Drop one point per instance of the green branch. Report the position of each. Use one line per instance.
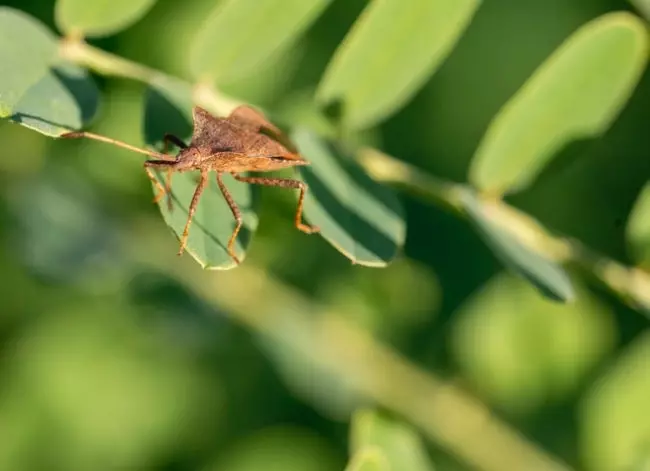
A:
(632, 285)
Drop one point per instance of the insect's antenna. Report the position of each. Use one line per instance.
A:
(108, 140)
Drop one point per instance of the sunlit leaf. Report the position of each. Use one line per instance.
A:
(398, 442)
(575, 94)
(546, 275)
(369, 459)
(99, 17)
(168, 110)
(638, 229)
(359, 217)
(27, 49)
(388, 55)
(241, 34)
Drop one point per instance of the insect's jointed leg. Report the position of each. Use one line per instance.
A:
(193, 205)
(148, 165)
(235, 212)
(284, 183)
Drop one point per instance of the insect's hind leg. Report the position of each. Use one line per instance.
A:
(284, 183)
(236, 214)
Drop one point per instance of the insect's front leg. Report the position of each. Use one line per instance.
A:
(149, 165)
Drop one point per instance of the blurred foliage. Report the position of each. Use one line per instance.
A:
(108, 366)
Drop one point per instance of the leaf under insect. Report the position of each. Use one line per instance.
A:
(168, 109)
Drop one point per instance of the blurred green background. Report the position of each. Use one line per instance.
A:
(107, 364)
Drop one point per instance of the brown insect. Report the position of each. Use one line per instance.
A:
(242, 142)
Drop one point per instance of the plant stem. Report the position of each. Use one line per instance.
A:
(81, 53)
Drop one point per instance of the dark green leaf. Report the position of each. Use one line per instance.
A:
(638, 229)
(575, 94)
(543, 273)
(99, 17)
(169, 110)
(398, 442)
(359, 217)
(393, 48)
(241, 34)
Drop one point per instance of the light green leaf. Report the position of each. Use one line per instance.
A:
(575, 94)
(361, 218)
(398, 442)
(393, 48)
(241, 34)
(27, 49)
(549, 277)
(169, 110)
(99, 17)
(638, 228)
(369, 459)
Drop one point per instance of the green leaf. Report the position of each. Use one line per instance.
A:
(361, 218)
(369, 459)
(638, 228)
(575, 94)
(63, 100)
(240, 34)
(36, 89)
(393, 48)
(27, 48)
(168, 109)
(398, 442)
(99, 17)
(549, 277)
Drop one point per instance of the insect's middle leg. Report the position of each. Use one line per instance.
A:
(284, 183)
(237, 215)
(193, 205)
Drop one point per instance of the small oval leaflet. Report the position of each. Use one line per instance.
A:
(574, 95)
(548, 277)
(98, 18)
(359, 217)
